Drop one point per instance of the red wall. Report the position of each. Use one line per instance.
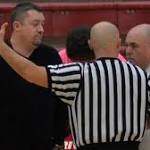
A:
(62, 17)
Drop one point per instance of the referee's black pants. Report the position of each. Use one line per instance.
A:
(111, 146)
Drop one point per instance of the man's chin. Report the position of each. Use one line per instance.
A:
(37, 43)
(131, 61)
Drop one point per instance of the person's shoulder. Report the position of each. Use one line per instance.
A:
(64, 56)
(47, 47)
(62, 52)
(48, 50)
(50, 53)
(137, 68)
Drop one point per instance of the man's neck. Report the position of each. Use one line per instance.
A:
(103, 53)
(21, 47)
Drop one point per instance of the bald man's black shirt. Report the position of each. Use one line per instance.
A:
(30, 116)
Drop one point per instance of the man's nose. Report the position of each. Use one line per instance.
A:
(129, 50)
(40, 28)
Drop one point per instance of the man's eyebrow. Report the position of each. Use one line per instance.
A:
(128, 43)
(133, 44)
(38, 20)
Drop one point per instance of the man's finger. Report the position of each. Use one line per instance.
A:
(3, 29)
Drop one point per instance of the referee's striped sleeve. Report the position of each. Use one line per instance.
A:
(64, 80)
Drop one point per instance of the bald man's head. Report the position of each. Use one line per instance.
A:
(141, 31)
(138, 45)
(104, 36)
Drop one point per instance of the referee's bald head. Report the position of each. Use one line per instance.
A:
(104, 36)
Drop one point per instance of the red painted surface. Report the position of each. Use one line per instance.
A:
(62, 17)
(131, 14)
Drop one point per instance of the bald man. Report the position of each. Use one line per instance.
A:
(104, 113)
(138, 52)
(105, 39)
(138, 46)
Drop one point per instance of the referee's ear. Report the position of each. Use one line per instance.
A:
(90, 45)
(118, 43)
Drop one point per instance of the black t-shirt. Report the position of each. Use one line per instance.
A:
(30, 116)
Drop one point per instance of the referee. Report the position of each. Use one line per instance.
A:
(106, 98)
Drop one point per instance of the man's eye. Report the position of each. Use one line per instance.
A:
(134, 46)
(35, 24)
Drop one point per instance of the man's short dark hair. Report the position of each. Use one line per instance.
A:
(20, 10)
(77, 44)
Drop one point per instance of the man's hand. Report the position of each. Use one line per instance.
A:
(58, 147)
(2, 37)
(3, 31)
(25, 68)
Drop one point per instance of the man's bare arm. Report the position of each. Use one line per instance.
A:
(25, 68)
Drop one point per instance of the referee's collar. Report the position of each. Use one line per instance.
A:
(110, 58)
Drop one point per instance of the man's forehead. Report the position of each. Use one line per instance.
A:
(35, 14)
(135, 38)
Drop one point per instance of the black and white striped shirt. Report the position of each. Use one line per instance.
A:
(106, 99)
